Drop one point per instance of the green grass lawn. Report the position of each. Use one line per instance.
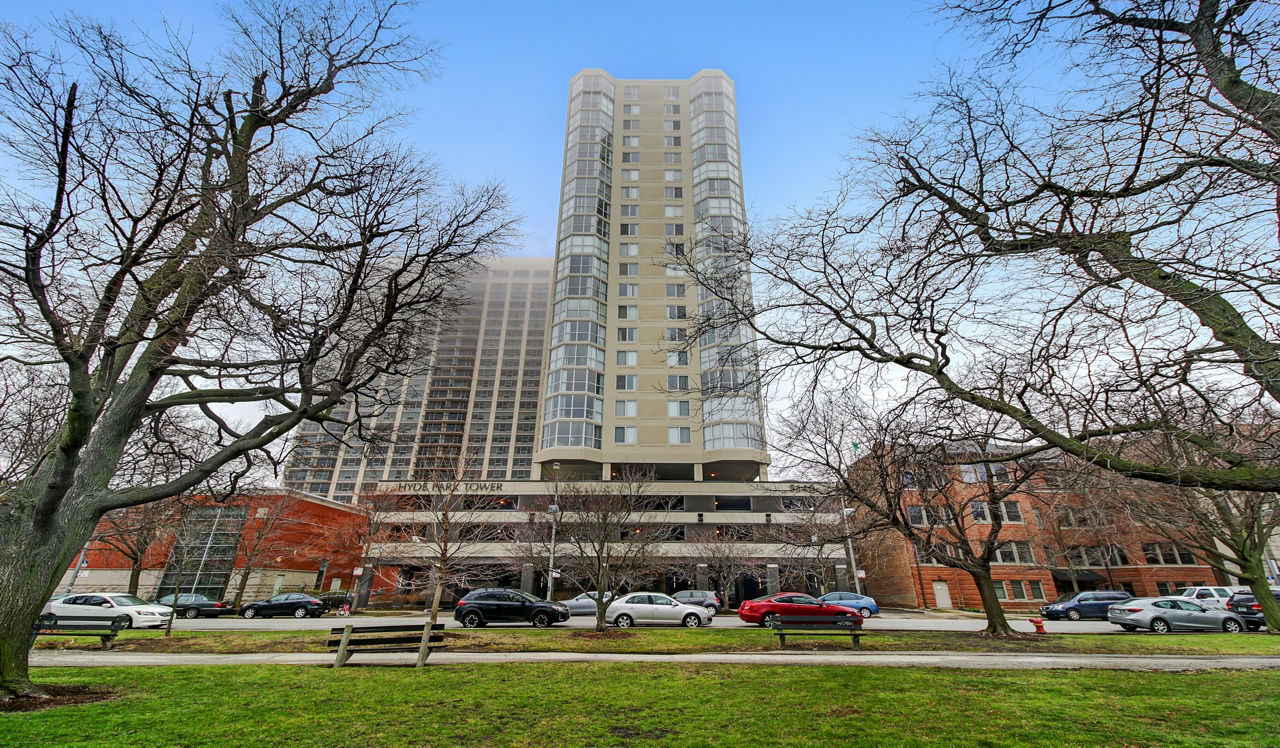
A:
(663, 704)
(690, 641)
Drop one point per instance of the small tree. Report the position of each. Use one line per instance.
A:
(264, 538)
(724, 558)
(606, 539)
(908, 478)
(140, 533)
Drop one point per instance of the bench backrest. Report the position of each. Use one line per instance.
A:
(819, 622)
(386, 636)
(49, 622)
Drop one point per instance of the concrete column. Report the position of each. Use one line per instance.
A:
(842, 578)
(771, 579)
(700, 577)
(697, 471)
(606, 471)
(764, 472)
(526, 578)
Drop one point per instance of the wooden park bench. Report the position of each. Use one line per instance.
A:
(411, 638)
(106, 629)
(818, 625)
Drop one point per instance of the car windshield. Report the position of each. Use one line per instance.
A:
(127, 600)
(527, 596)
(1183, 592)
(1066, 597)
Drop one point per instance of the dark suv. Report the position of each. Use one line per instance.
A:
(704, 598)
(1245, 605)
(502, 605)
(1077, 605)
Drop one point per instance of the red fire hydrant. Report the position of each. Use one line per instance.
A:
(1039, 624)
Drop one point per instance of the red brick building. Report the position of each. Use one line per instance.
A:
(255, 544)
(1057, 540)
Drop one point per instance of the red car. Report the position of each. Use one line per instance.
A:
(764, 610)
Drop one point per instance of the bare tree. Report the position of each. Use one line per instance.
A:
(606, 538)
(908, 477)
(272, 530)
(443, 529)
(724, 558)
(181, 235)
(139, 533)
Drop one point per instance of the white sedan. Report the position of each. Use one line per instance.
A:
(108, 605)
(655, 608)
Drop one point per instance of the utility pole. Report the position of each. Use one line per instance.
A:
(553, 510)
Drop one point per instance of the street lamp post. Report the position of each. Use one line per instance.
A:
(553, 510)
(848, 549)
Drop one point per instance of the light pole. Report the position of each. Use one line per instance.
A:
(849, 551)
(553, 510)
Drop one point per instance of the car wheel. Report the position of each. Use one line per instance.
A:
(472, 621)
(249, 613)
(1231, 626)
(128, 622)
(1074, 614)
(540, 620)
(768, 619)
(1128, 627)
(866, 612)
(624, 621)
(692, 621)
(191, 613)
(1159, 625)
(299, 612)
(713, 610)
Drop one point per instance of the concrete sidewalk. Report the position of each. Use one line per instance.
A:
(978, 660)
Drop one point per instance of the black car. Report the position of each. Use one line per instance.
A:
(194, 605)
(296, 604)
(502, 605)
(703, 598)
(1245, 605)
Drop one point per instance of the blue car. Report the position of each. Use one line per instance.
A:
(1089, 604)
(861, 603)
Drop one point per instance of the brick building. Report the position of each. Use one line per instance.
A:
(284, 540)
(1057, 540)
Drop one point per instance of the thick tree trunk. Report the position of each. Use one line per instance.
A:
(241, 586)
(1262, 592)
(997, 624)
(31, 565)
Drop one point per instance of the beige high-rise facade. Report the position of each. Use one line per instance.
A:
(652, 178)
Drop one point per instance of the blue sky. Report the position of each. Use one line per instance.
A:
(808, 75)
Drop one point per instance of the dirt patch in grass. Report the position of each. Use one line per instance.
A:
(59, 696)
(632, 733)
(606, 635)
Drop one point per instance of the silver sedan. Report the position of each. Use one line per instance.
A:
(1165, 614)
(655, 608)
(584, 604)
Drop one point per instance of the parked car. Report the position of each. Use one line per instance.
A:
(1077, 605)
(296, 604)
(655, 608)
(502, 605)
(861, 603)
(1210, 597)
(706, 598)
(48, 606)
(108, 605)
(1245, 605)
(194, 605)
(1165, 614)
(584, 604)
(765, 610)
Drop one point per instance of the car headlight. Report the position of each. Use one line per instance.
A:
(146, 612)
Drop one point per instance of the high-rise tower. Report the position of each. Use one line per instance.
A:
(651, 175)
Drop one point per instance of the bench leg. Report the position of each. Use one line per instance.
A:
(857, 641)
(341, 659)
(107, 641)
(782, 641)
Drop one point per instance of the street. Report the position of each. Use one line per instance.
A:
(886, 621)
